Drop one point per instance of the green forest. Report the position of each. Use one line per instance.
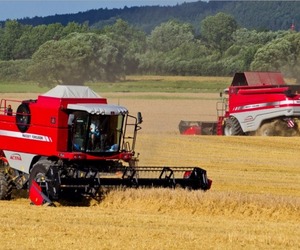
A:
(209, 44)
(258, 15)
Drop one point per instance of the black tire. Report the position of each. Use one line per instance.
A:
(232, 127)
(267, 129)
(42, 173)
(5, 186)
(277, 127)
(38, 174)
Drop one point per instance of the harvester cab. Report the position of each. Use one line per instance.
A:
(95, 133)
(105, 132)
(70, 142)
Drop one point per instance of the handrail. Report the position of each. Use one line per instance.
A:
(7, 106)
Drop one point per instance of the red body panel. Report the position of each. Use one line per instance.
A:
(243, 100)
(48, 131)
(260, 90)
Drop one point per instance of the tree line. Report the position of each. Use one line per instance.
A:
(259, 15)
(76, 53)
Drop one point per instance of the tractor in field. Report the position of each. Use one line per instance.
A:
(256, 103)
(69, 143)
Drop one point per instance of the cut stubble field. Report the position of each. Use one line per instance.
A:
(254, 202)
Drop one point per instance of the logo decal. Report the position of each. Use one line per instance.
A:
(28, 136)
(16, 157)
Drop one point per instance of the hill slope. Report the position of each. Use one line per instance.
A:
(263, 15)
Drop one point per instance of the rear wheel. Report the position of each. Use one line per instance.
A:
(5, 186)
(267, 129)
(277, 127)
(232, 127)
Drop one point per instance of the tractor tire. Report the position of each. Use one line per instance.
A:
(232, 127)
(5, 186)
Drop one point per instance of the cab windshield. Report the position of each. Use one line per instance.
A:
(96, 133)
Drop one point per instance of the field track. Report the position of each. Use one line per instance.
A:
(254, 202)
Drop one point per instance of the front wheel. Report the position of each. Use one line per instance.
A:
(232, 127)
(40, 183)
(38, 174)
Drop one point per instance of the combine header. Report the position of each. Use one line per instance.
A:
(197, 128)
(70, 142)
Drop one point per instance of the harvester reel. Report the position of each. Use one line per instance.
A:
(232, 127)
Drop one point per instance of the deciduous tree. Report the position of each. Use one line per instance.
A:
(130, 42)
(170, 35)
(282, 54)
(217, 31)
(11, 33)
(76, 59)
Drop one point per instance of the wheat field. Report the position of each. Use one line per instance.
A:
(254, 202)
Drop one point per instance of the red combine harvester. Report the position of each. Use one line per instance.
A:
(70, 142)
(256, 103)
(260, 103)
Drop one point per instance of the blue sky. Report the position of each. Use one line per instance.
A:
(10, 9)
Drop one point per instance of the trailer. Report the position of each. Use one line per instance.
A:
(69, 143)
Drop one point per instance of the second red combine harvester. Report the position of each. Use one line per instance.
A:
(260, 103)
(70, 142)
(256, 103)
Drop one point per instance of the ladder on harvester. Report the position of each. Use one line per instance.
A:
(221, 107)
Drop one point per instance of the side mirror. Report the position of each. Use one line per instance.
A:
(139, 118)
